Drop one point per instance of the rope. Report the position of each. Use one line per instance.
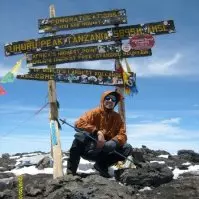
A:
(36, 113)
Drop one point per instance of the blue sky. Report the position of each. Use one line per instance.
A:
(164, 115)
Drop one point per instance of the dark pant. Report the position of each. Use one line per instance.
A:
(86, 149)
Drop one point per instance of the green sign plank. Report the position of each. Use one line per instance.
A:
(81, 76)
(89, 53)
(97, 36)
(105, 18)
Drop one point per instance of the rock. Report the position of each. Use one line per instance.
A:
(6, 162)
(5, 156)
(46, 162)
(2, 169)
(183, 167)
(149, 175)
(31, 191)
(138, 157)
(6, 175)
(8, 194)
(183, 188)
(149, 180)
(189, 155)
(11, 167)
(24, 164)
(30, 161)
(8, 183)
(17, 154)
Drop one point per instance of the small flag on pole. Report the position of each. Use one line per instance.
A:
(2, 91)
(10, 76)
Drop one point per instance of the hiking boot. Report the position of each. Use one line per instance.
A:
(69, 172)
(102, 171)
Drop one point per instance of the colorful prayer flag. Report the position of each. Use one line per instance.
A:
(9, 77)
(16, 67)
(129, 81)
(2, 91)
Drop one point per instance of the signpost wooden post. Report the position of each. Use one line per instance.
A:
(55, 134)
(121, 104)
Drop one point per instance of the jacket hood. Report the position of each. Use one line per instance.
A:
(118, 96)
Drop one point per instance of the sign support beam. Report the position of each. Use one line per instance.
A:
(56, 151)
(121, 104)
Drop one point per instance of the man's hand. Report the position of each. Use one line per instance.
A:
(101, 140)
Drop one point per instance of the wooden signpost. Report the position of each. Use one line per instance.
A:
(54, 50)
(56, 151)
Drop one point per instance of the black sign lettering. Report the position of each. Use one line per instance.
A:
(97, 36)
(89, 53)
(83, 21)
(81, 76)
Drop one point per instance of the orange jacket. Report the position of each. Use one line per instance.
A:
(108, 121)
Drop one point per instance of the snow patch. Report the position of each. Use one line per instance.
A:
(163, 156)
(159, 162)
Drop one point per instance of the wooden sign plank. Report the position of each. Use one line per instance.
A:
(80, 76)
(101, 52)
(87, 20)
(96, 36)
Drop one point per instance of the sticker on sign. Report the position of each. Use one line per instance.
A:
(140, 42)
(126, 47)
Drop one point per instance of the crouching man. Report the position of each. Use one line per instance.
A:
(106, 126)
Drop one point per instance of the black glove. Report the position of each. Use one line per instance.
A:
(110, 146)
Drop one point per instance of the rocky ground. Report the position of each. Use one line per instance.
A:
(158, 175)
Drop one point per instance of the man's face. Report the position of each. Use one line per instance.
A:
(109, 101)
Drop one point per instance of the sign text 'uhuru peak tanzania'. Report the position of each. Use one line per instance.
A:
(97, 36)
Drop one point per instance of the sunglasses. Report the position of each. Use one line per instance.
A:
(113, 99)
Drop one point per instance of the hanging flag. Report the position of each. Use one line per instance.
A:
(127, 66)
(118, 66)
(130, 87)
(16, 67)
(10, 76)
(2, 91)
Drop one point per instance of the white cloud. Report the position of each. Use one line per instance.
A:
(150, 130)
(156, 66)
(196, 105)
(163, 135)
(158, 129)
(163, 67)
(172, 121)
